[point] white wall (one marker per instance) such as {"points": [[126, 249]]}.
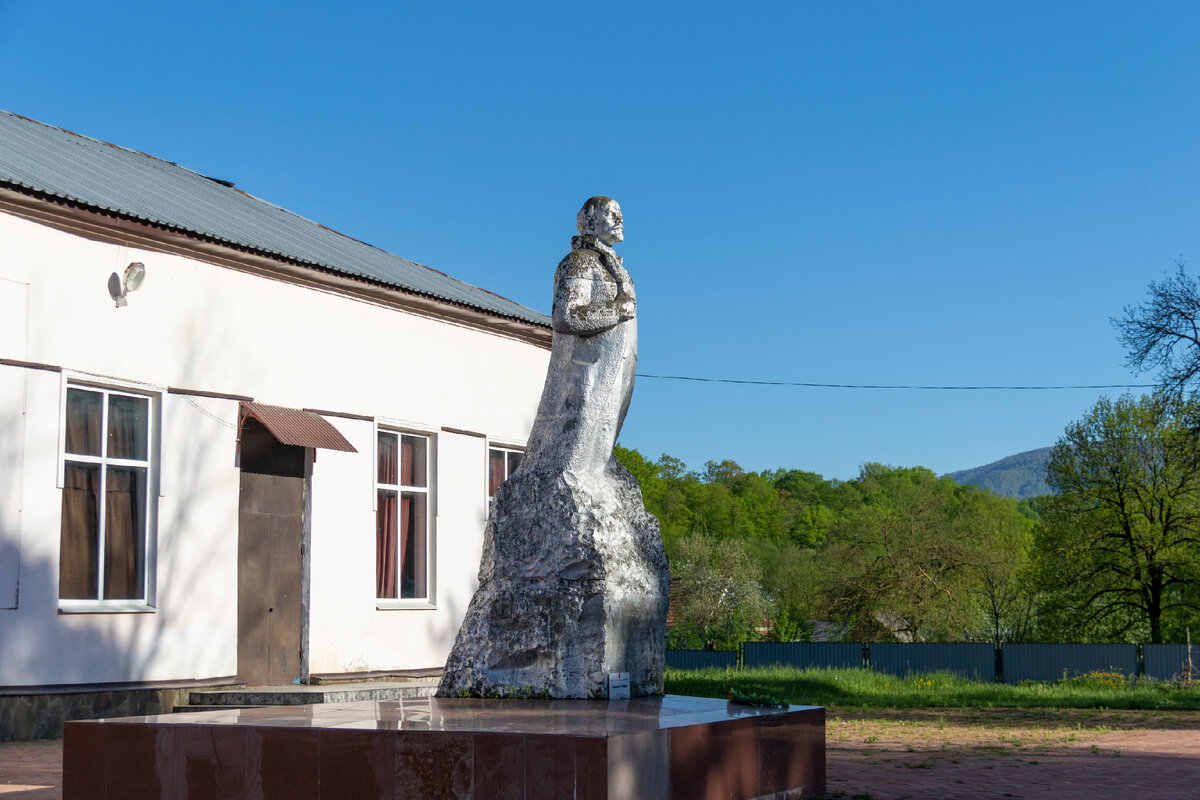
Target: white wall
{"points": [[12, 437], [199, 326], [348, 633]]}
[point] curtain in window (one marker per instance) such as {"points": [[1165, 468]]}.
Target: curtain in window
{"points": [[385, 544], [127, 426], [84, 423], [413, 516], [387, 458], [124, 501], [413, 461], [407, 578], [79, 558], [495, 471]]}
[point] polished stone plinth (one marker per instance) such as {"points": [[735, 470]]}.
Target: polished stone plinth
{"points": [[654, 748]]}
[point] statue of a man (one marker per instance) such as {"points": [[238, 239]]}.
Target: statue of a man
{"points": [[593, 358], [573, 580]]}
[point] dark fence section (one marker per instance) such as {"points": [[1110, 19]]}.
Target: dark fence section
{"points": [[1013, 663], [1047, 662], [701, 659], [977, 661], [1166, 661], [834, 655]]}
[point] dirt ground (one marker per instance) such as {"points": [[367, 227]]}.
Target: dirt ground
{"points": [[935, 754], [31, 770], [1013, 753]]}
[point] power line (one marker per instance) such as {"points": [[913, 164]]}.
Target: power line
{"points": [[898, 386]]}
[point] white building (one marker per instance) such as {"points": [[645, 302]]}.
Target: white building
{"points": [[267, 460]]}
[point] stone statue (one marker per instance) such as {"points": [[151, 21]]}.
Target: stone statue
{"points": [[573, 583], [594, 355]]}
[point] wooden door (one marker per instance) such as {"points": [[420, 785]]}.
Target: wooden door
{"points": [[270, 559]]}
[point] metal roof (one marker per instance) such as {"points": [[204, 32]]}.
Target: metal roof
{"points": [[293, 426], [55, 162]]}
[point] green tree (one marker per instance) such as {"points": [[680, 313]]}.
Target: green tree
{"points": [[717, 593], [907, 559], [810, 501], [789, 581], [1119, 544], [647, 474], [1005, 587]]}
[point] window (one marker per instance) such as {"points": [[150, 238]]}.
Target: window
{"points": [[402, 516], [502, 462], [107, 478]]}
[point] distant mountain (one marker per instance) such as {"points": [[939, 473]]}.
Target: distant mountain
{"points": [[1019, 476]]}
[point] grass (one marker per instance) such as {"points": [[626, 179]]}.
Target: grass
{"points": [[861, 688]]}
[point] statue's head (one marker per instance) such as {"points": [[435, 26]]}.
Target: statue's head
{"points": [[601, 217]]}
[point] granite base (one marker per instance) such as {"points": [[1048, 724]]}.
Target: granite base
{"points": [[653, 748]]}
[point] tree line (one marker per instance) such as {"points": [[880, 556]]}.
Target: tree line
{"points": [[1112, 554]]}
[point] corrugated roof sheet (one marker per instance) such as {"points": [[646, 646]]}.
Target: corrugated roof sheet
{"points": [[56, 162], [293, 426]]}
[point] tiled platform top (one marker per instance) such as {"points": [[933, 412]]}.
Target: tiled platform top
{"points": [[561, 717]]}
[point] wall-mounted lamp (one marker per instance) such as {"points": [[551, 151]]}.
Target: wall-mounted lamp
{"points": [[119, 286]]}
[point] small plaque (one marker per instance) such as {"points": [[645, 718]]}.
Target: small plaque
{"points": [[618, 686]]}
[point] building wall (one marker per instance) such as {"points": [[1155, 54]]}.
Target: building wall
{"points": [[203, 327]]}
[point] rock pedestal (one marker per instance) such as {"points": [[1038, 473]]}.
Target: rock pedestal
{"points": [[573, 586]]}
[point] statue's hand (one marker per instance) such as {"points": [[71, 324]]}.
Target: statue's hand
{"points": [[625, 304]]}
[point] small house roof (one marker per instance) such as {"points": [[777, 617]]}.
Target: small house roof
{"points": [[57, 163], [296, 427]]}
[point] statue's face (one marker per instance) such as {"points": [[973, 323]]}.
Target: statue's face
{"points": [[609, 225]]}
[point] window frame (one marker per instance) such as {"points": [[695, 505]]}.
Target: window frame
{"points": [[429, 434], [507, 449], [152, 464]]}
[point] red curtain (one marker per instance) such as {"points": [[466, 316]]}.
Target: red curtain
{"points": [[413, 461], [406, 533], [400, 519], [387, 458], [413, 535], [385, 545], [496, 472]]}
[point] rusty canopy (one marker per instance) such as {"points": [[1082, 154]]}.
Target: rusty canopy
{"points": [[296, 427]]}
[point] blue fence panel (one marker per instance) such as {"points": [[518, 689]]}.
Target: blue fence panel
{"points": [[976, 661], [701, 659], [834, 655], [1046, 662], [1165, 661]]}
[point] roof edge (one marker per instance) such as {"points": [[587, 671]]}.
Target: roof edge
{"points": [[116, 228]]}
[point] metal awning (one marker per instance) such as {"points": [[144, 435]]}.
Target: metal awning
{"points": [[296, 427]]}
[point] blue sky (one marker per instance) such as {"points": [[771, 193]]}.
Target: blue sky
{"points": [[869, 193]]}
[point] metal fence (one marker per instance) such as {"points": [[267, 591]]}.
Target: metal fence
{"points": [[1166, 661], [701, 659], [830, 655], [977, 661], [1012, 663], [1050, 662]]}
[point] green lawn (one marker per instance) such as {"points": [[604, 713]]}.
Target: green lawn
{"points": [[850, 688]]}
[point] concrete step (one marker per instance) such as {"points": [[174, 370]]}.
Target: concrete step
{"points": [[298, 695], [430, 673], [185, 709]]}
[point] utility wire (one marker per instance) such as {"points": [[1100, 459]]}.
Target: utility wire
{"points": [[897, 386]]}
